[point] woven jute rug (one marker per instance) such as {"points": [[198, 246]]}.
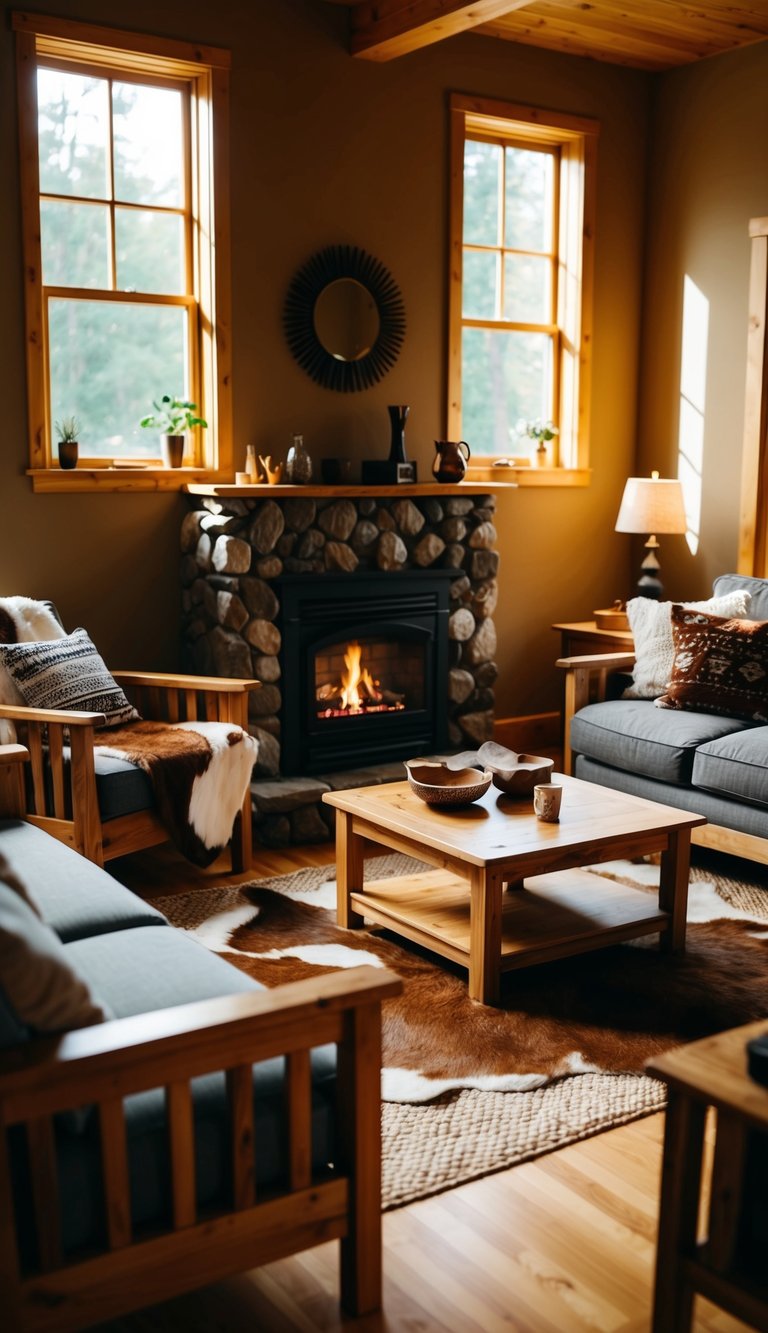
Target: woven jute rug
{"points": [[269, 929]]}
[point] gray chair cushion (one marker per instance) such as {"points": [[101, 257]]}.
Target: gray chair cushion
{"points": [[736, 766], [121, 788], [758, 606], [142, 970], [634, 735], [139, 970], [76, 898]]}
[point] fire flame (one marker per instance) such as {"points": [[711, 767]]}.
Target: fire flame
{"points": [[355, 677]]}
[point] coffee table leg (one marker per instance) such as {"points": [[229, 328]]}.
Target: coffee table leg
{"points": [[349, 870], [485, 936], [673, 889]]}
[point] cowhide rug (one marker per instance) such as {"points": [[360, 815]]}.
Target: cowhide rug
{"points": [[606, 1012], [199, 772]]}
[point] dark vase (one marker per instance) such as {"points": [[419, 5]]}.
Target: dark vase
{"points": [[450, 464], [397, 417], [68, 450]]}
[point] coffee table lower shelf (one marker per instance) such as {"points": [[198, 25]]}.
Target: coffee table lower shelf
{"points": [[548, 917]]}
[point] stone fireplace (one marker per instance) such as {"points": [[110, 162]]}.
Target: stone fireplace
{"points": [[280, 582]]}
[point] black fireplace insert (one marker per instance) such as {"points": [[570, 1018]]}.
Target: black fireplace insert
{"points": [[364, 663]]}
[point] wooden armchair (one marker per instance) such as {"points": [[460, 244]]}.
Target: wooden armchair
{"points": [[63, 797], [586, 681]]}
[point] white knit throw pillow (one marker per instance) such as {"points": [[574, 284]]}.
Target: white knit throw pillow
{"points": [[651, 627]]}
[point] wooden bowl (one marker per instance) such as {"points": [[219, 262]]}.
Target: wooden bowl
{"points": [[522, 777], [437, 785]]}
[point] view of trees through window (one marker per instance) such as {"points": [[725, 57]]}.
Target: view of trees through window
{"points": [[508, 293], [115, 263]]}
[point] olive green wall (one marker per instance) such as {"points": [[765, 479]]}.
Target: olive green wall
{"points": [[328, 149], [708, 177]]}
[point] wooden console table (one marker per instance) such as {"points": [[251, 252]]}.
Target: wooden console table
{"points": [[709, 1073], [583, 636]]}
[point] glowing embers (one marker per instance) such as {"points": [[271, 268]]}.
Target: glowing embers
{"points": [[355, 680]]}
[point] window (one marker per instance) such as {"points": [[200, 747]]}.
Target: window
{"points": [[127, 296], [522, 204]]}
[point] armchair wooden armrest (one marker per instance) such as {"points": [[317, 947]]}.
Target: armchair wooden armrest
{"points": [[12, 761], [165, 697], [103, 1064], [586, 680]]}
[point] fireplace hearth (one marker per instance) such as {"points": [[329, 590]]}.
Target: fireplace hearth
{"points": [[245, 548], [364, 666]]}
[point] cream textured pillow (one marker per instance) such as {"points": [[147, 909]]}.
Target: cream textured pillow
{"points": [[651, 626]]}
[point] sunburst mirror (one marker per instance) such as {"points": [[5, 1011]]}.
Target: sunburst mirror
{"points": [[344, 318]]}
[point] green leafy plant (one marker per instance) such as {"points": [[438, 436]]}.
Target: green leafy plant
{"points": [[172, 416], [68, 429], [538, 430]]}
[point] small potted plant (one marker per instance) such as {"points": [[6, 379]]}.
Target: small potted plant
{"points": [[172, 417], [68, 430], [542, 432]]}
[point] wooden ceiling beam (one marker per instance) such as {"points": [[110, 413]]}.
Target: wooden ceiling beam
{"points": [[385, 29]]}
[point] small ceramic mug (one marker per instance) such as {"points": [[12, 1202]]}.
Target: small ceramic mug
{"points": [[547, 797]]}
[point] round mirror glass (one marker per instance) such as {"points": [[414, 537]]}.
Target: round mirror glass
{"points": [[346, 319]]}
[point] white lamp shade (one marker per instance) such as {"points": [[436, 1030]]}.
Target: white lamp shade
{"points": [[651, 505]]}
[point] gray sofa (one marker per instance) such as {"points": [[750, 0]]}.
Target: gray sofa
{"points": [[198, 1131], [715, 766]]}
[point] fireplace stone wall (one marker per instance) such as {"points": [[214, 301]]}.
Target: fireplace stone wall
{"points": [[233, 550]]}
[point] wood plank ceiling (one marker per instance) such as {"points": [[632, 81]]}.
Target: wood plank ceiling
{"points": [[647, 34]]}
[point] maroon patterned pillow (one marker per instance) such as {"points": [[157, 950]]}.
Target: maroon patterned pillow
{"points": [[720, 666]]}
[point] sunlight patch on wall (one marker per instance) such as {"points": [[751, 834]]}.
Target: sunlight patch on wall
{"points": [[693, 393]]}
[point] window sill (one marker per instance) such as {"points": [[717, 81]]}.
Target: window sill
{"points": [[531, 476], [55, 480]]}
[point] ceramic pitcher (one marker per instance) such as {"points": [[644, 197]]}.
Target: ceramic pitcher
{"points": [[450, 463]]}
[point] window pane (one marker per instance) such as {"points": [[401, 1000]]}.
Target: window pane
{"points": [[148, 145], [72, 126], [74, 240], [482, 180], [505, 376], [108, 360], [527, 289], [530, 179], [149, 251], [481, 285]]}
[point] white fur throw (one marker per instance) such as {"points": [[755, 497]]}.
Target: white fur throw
{"points": [[22, 620], [651, 626]]}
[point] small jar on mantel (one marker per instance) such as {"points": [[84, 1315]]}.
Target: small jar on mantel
{"points": [[298, 464], [251, 466]]}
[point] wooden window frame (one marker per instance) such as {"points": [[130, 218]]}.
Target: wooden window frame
{"points": [[574, 139], [203, 72]]}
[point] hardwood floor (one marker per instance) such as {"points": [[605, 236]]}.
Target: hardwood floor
{"points": [[563, 1244]]}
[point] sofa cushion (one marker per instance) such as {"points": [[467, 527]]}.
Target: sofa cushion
{"points": [[721, 666], [651, 627], [42, 989], [66, 673], [633, 735], [75, 897], [757, 588], [735, 766], [138, 970]]}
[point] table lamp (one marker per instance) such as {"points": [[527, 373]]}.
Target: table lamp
{"points": [[651, 504]]}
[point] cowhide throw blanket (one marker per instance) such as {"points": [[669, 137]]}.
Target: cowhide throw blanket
{"points": [[605, 1012], [199, 771], [22, 620]]}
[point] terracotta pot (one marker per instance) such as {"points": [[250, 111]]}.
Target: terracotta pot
{"points": [[68, 450], [172, 449]]}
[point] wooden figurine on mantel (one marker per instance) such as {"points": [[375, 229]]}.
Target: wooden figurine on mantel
{"points": [[274, 471]]}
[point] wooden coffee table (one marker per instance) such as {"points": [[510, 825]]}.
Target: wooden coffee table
{"points": [[550, 908]]}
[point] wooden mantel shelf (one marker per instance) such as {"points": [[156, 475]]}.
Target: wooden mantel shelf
{"points": [[229, 490]]}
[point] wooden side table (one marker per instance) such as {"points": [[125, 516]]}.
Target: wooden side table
{"points": [[583, 636], [712, 1072]]}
